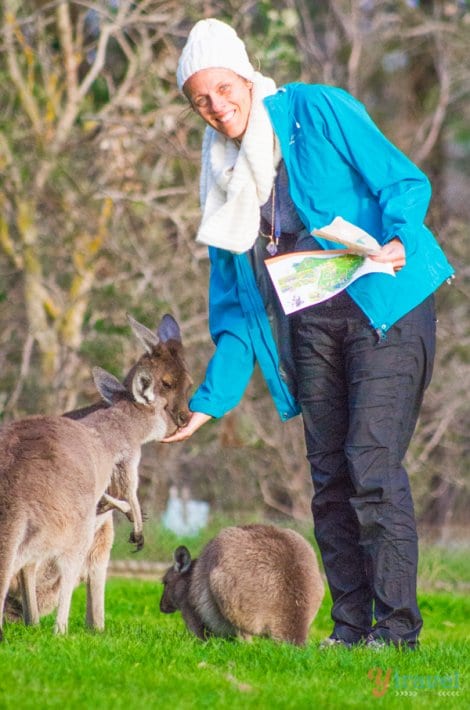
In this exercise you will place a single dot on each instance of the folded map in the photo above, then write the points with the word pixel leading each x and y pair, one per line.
pixel 304 278
pixel 357 240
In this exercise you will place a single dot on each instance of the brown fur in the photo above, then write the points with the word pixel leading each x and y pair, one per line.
pixel 54 471
pixel 48 579
pixel 252 580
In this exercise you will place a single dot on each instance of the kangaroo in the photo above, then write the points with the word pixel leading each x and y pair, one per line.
pixel 250 580
pixel 164 347
pixel 55 470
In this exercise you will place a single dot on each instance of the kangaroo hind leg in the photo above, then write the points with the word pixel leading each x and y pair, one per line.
pixel 69 575
pixel 8 560
pixel 97 565
pixel 28 592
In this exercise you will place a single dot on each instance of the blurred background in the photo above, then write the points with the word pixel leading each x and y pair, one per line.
pixel 99 166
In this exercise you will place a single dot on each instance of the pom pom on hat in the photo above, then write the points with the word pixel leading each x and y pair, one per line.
pixel 212 43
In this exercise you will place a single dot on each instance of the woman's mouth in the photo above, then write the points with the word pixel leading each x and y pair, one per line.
pixel 227 117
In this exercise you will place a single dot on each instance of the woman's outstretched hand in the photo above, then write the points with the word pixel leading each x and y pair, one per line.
pixel 392 252
pixel 196 421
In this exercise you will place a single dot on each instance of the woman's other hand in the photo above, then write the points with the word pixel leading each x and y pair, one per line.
pixel 196 421
pixel 393 252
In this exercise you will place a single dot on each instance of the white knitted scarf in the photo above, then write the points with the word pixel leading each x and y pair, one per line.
pixel 235 182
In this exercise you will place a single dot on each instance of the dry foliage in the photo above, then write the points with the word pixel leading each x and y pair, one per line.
pixel 99 205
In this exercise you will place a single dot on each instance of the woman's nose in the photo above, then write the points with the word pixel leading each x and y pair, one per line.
pixel 218 103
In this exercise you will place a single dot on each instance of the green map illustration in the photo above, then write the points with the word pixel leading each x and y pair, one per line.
pixel 316 277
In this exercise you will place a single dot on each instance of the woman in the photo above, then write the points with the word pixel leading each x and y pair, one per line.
pixel 283 163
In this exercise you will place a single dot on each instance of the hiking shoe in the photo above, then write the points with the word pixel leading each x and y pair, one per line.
pixel 379 643
pixel 330 642
pixel 375 644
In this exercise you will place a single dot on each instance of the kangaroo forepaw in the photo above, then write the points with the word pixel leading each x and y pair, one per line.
pixel 137 539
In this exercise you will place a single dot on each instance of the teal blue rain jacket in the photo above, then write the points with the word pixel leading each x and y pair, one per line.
pixel 339 164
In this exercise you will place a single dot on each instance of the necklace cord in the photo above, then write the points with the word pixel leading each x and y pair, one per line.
pixel 275 232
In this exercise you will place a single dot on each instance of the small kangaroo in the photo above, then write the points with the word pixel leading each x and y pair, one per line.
pixel 250 580
pixel 55 470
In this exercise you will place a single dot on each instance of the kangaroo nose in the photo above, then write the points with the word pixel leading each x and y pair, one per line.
pixel 183 417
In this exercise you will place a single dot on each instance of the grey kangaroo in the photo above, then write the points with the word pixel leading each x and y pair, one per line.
pixel 163 351
pixel 55 470
pixel 252 580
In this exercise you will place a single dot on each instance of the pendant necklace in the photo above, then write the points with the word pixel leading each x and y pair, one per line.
pixel 273 237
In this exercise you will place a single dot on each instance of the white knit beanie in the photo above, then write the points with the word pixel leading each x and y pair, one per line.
pixel 212 43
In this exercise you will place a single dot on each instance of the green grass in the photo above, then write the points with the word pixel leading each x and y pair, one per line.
pixel 148 660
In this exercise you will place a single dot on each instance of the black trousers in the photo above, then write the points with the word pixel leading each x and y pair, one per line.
pixel 360 397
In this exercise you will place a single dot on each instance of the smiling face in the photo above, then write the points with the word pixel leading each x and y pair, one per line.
pixel 222 98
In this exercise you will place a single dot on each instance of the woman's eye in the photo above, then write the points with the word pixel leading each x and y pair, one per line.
pixel 201 103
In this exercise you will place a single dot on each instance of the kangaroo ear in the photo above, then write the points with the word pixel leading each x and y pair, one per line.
pixel 182 558
pixel 107 385
pixel 147 337
pixel 143 386
pixel 168 329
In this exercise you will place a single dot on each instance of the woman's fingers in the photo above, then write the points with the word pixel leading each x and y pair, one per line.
pixel 197 420
pixel 393 252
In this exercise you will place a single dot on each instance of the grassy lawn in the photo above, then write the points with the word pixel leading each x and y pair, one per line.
pixel 148 660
